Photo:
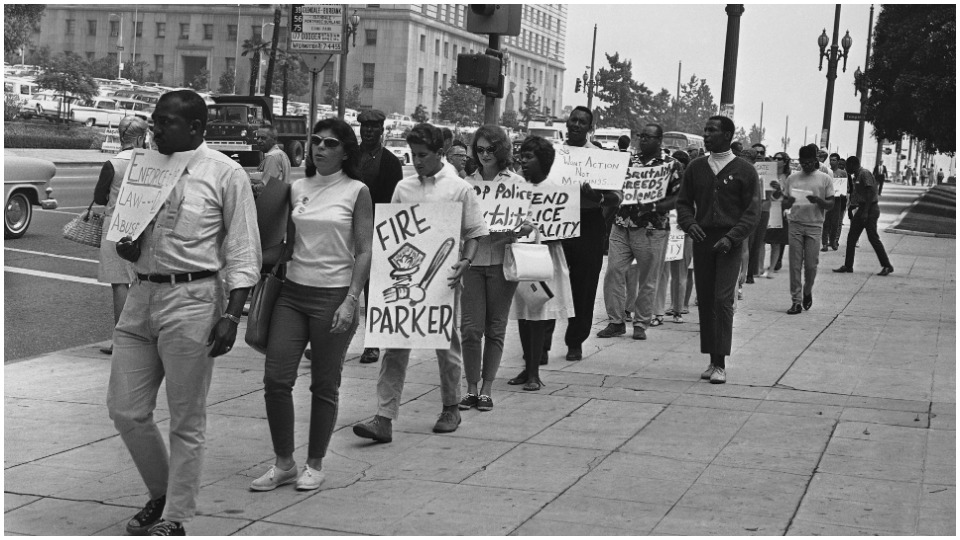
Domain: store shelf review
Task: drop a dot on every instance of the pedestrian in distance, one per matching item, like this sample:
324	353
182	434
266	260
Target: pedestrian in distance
271	192
865	211
487	294
750	155
457	156
119	273
880	173
939	176
623	143
434	182
536	317
318	302
275	164
718	207
684	160
807	194
203	242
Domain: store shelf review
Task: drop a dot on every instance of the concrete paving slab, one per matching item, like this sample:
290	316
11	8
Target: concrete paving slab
803	527
899	517
547	527
597	428
866	490
265	528
640	518
739	500
690	433
897	470
538	467
12	501
50	517
718	521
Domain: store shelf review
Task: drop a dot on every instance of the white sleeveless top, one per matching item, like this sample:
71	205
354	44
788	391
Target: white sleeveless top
323	250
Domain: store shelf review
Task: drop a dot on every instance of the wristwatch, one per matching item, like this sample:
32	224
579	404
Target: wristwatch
232	318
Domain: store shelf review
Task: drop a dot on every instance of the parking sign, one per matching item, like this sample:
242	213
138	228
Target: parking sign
317	28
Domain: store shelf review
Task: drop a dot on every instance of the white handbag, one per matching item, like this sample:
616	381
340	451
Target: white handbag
527	262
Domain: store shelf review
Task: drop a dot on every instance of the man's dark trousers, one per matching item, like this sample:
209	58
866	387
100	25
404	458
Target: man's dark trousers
865	218
585	259
715	276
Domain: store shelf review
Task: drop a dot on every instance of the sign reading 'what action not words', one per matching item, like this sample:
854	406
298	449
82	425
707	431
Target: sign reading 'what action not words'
149	179
411	304
602	169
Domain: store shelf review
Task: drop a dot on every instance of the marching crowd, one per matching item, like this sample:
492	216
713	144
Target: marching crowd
215	237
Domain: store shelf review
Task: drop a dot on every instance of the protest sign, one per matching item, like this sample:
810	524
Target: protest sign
646	184
677	237
602	169
556	209
767	171
504	205
411	305
149	179
840	185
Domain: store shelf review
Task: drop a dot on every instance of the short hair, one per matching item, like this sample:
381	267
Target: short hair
657	126
726	124
761	145
623	142
542	149
498	138
582	108
131	128
459	143
192	106
447	134
853	162
737	146
270	129
344	132
682	157
427	135
836	155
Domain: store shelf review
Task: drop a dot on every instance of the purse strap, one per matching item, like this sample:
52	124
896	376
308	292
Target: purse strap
89	212
286	252
536	230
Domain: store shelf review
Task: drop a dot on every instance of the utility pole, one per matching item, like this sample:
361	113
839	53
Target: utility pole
832	58
760	133
676	103
786	130
862	87
593	56
731	50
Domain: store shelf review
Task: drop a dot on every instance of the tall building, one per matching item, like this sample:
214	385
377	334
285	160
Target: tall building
405	54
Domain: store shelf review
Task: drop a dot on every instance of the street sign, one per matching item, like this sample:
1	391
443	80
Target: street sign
317	28
855	116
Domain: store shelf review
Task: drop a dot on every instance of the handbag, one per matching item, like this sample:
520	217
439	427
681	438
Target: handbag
273	213
534	293
86	228
527	262
262	301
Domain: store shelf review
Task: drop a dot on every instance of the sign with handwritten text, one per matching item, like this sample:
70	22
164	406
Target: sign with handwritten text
556	211
646	184
767	171
504	205
602	169
677	238
149	179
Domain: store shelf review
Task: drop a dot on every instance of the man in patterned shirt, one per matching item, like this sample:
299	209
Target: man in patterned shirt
641	232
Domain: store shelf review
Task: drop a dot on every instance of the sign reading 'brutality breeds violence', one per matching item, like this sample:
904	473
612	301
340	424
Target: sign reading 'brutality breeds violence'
411	305
646	184
555	208
602	169
149	180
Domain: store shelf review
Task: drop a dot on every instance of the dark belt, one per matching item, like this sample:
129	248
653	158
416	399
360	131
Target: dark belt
176	278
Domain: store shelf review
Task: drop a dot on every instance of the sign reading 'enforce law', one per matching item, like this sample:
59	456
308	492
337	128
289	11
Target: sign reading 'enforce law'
146	185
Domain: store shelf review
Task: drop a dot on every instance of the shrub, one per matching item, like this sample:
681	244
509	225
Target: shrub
47	135
11	106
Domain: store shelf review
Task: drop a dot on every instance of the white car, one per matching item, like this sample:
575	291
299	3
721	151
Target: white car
25	183
400	149
98	111
45	104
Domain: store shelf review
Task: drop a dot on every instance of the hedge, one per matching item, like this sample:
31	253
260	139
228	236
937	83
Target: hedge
48	135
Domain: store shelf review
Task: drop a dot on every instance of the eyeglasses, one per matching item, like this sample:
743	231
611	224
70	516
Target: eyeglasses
457	156
328	142
486	150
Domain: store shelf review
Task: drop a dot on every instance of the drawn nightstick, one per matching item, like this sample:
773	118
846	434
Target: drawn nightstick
402	289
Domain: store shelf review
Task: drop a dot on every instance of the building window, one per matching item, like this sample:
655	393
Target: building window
436	48
91	27
158	62
446	49
423	43
454	51
230	64
139	29
161	29
371	36
232	31
436	82
369	75
328	76
114	28
71	26
208	31
184	30
554	80
420	81
257	31
444	81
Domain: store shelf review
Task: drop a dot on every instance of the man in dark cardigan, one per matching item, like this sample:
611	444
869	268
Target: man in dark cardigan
718	207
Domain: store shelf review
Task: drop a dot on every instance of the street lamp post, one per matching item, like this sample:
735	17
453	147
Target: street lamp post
860	85
730	53
833	57
349	29
119	45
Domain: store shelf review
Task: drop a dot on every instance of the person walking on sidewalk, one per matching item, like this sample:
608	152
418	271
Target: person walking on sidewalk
640	232
718	207
332	235
864	204
807	195
203	241
487	294
114	270
434	182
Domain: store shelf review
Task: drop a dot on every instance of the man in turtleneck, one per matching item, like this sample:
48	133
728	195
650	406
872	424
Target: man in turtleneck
718	208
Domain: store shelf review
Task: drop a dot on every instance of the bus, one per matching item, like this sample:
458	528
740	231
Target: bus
608	137
675	140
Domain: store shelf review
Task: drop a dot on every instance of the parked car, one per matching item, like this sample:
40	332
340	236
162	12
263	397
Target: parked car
45	104
23	180
400	149
136	107
98	111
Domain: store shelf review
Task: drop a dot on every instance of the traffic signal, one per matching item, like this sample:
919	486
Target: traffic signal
502	19
576	89
481	71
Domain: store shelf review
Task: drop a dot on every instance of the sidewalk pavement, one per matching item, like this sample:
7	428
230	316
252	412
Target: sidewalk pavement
839	421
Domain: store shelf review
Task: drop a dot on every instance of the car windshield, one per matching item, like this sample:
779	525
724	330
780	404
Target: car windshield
395	143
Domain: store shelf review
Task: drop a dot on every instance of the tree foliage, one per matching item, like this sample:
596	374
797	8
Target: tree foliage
225	84
253	47
629	102
67	74
19	20
741	135
200	81
510	120
912	76
757	135
696	105
460	103
103	68
531	103
351	99
420	114
134	71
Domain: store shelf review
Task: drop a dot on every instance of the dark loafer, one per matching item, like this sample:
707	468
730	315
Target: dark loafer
794	309
843	270
808	301
886	271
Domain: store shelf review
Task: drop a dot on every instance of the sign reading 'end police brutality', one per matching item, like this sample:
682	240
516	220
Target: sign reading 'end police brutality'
317	28
149	179
411	305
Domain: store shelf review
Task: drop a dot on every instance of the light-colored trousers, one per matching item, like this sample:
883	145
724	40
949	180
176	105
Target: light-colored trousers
162	334
648	247
804	258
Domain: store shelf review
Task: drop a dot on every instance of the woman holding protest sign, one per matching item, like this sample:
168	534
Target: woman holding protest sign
535	306
333	221
487	295
777	237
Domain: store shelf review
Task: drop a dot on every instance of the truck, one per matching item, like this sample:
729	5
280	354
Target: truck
554	132
232	123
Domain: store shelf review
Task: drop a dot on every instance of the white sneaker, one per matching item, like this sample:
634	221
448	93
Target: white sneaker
274	478
719	376
310	479
707	373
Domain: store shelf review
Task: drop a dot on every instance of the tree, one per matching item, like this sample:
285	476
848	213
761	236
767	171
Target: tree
629	102
103	68
912	76
757	135
134	71
661	110
200	81
253	46
226	83
351	99
420	114
696	105
509	120
155	76
741	135
19	21
531	103
277	14
67	74
460	103
40	57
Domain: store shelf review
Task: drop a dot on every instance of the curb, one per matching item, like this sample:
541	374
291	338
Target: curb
893	228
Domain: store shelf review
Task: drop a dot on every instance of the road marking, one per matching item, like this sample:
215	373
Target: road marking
27	251
51	275
60	211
